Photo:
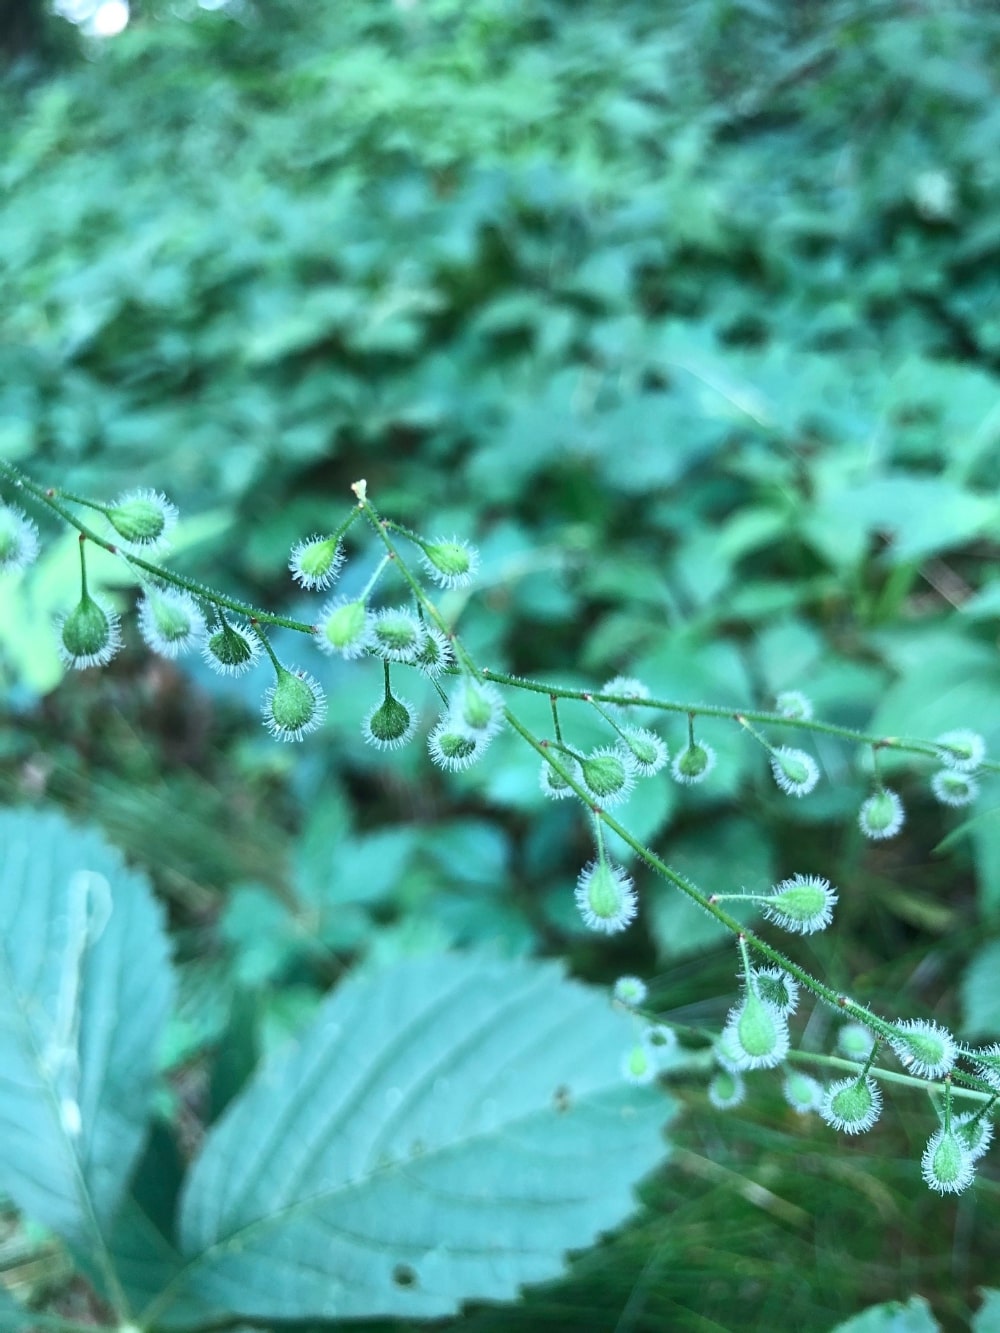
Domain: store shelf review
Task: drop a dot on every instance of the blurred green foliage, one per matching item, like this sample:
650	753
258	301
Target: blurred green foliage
690	316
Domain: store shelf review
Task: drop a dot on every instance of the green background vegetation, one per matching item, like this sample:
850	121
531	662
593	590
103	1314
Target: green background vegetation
688	315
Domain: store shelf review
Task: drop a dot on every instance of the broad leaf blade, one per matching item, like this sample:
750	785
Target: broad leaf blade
85	987
444	1131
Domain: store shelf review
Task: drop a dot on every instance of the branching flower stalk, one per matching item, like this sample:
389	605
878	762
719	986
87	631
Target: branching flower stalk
294	705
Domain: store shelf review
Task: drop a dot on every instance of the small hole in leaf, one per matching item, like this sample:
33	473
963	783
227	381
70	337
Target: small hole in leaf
562	1099
404	1276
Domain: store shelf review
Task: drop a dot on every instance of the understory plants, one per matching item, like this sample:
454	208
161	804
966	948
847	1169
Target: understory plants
597	748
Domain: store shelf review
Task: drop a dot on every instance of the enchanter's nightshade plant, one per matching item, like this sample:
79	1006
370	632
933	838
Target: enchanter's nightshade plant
394	619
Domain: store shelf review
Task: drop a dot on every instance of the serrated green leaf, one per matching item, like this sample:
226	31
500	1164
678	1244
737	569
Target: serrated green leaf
893	1317
987	1317
85	986
444	1131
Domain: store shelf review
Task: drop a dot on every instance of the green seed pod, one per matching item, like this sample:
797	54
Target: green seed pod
451	564
231	650
726	1090
794	704
947	1164
649	752
142	519
795	772
758	1032
853	1104
605	896
609	775
693	764
344	628
453	747
638	1065
882	815
397	635
802	904
924	1048
293	706
18	540
89	635
478	707
389	724
803	1093
170	621
316	562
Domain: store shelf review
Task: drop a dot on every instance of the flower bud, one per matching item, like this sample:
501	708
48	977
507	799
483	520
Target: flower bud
962	750
952	787
344	628
795	771
170	621
608	774
18	540
389	724
451	564
794	704
853	1104
316	562
947	1165
605	896
882	815
924	1048
143	520
90	635
693	764
802	904
293	706
231	649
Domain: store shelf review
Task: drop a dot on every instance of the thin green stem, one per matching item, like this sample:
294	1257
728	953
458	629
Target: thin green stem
199	590
550	752
381	527
751	730
266	642
84	595
369	587
886	1075
557	729
836	999
745	959
693	710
